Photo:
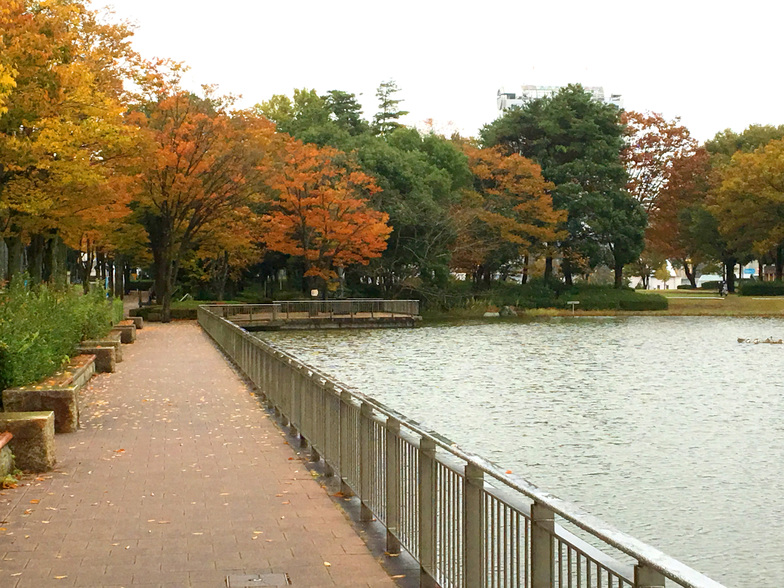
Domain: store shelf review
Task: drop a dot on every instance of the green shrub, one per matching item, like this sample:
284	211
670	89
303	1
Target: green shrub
645	302
761	289
685	287
118	310
607	298
40	329
711	285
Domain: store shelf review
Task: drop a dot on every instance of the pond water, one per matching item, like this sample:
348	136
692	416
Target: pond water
666	427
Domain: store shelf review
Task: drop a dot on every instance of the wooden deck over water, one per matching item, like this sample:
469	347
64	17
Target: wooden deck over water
322	314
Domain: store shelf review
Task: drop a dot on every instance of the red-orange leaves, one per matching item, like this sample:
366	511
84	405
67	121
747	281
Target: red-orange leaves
320	210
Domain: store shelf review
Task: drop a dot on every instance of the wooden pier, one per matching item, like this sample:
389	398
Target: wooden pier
322	314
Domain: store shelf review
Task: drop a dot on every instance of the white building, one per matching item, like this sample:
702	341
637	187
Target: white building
505	100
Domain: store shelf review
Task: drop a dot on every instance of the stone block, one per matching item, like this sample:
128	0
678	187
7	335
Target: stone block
6	456
105	357
113	339
62	402
137	321
33	441
82	368
59	393
127	331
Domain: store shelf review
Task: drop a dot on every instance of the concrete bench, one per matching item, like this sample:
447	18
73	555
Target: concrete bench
113	339
59	394
137	321
33	439
127	331
105	357
6	456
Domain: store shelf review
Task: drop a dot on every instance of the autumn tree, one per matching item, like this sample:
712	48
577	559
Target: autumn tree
320	212
507	216
62	135
652	143
682	228
727	142
749	202
202	165
226	248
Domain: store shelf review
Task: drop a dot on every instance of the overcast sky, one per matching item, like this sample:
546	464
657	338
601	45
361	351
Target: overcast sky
715	64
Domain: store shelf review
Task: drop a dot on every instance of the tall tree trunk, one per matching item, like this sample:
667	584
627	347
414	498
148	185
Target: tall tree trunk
223	276
100	263
526	262
15	256
163	282
49	268
35	258
689	273
126	269
548	268
119	278
729	268
86	265
110	274
566	270
3	260
618	275
779	262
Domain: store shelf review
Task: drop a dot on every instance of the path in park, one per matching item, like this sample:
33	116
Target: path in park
177	478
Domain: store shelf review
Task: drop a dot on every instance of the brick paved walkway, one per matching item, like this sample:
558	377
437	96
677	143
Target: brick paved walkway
177	478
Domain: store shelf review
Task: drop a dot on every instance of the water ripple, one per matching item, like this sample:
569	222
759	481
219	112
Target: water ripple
665	426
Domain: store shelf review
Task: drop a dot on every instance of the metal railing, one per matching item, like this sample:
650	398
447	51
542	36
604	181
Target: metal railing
350	307
468	524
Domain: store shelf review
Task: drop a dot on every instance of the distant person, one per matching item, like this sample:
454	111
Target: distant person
722	288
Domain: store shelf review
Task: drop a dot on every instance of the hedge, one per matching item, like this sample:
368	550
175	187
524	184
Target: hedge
41	327
761	289
604	298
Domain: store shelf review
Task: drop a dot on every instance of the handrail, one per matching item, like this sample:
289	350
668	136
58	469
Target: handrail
648	557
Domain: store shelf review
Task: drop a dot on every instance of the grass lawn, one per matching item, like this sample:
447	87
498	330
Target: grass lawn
685	302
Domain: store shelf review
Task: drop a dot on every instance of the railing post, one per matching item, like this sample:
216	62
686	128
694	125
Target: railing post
280	391
473	526
295	423
427	500
392	484
646	577
365	467
542	529
345	441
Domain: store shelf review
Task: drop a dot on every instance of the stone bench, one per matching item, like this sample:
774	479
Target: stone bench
6	456
105	357
113	339
59	394
138	321
33	439
127	331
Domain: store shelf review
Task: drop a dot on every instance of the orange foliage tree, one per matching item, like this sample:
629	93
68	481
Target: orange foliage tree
681	227
201	166
320	212
652	143
62	134
508	215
